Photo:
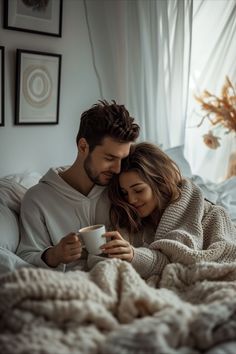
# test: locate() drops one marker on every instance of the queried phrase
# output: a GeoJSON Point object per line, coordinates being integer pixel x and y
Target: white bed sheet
{"type": "Point", "coordinates": [223, 193]}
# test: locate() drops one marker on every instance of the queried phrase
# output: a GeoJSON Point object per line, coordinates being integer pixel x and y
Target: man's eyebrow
{"type": "Point", "coordinates": [113, 156]}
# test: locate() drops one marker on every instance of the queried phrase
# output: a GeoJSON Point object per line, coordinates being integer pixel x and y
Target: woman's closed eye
{"type": "Point", "coordinates": [138, 190]}
{"type": "Point", "coordinates": [125, 194]}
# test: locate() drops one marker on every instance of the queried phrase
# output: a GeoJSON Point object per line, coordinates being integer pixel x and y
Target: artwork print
{"type": "Point", "coordinates": [37, 87]}
{"type": "Point", "coordinates": [34, 16]}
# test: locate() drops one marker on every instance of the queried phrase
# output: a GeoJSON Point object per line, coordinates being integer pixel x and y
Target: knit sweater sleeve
{"type": "Point", "coordinates": [148, 262]}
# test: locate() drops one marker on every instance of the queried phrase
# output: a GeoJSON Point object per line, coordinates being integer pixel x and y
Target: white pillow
{"type": "Point", "coordinates": [11, 194]}
{"type": "Point", "coordinates": [177, 155]}
{"type": "Point", "coordinates": [27, 179]}
{"type": "Point", "coordinates": [9, 229]}
{"type": "Point", "coordinates": [10, 262]}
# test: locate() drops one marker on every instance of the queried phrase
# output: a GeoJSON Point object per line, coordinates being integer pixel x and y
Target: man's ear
{"type": "Point", "coordinates": [83, 146]}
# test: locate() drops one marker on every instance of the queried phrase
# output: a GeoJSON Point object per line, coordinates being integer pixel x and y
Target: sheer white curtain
{"type": "Point", "coordinates": [213, 57]}
{"type": "Point", "coordinates": [147, 57]}
{"type": "Point", "coordinates": [153, 55]}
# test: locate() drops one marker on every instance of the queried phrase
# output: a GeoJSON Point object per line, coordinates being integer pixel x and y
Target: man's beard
{"type": "Point", "coordinates": [94, 177]}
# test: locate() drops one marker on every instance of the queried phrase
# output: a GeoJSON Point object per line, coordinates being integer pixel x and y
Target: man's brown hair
{"type": "Point", "coordinates": [106, 119]}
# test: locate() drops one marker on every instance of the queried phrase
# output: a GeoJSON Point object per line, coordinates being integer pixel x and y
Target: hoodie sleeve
{"type": "Point", "coordinates": [34, 238]}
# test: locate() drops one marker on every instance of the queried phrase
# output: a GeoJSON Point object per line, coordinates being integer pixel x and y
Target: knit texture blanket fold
{"type": "Point", "coordinates": [193, 230]}
{"type": "Point", "coordinates": [112, 310]}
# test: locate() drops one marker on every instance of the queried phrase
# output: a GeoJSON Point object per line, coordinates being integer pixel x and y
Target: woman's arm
{"type": "Point", "coordinates": [146, 261]}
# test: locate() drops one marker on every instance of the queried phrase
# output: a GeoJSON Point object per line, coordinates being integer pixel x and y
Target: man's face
{"type": "Point", "coordinates": [105, 160]}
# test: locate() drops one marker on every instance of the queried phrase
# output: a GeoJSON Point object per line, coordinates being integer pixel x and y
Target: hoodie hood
{"type": "Point", "coordinates": [52, 179]}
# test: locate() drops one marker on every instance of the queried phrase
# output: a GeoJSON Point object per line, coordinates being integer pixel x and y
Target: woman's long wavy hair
{"type": "Point", "coordinates": [156, 169]}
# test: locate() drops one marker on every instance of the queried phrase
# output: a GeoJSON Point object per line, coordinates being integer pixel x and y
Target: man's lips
{"type": "Point", "coordinates": [107, 174]}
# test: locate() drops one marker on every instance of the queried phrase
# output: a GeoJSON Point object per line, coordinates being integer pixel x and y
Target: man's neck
{"type": "Point", "coordinates": [77, 179]}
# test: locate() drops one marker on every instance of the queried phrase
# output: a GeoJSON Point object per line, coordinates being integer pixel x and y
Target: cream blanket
{"type": "Point", "coordinates": [193, 230]}
{"type": "Point", "coordinates": [112, 310]}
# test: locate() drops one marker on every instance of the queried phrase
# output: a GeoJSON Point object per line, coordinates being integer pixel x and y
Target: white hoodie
{"type": "Point", "coordinates": [52, 209]}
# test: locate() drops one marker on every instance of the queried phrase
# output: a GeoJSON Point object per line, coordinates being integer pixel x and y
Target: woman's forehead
{"type": "Point", "coordinates": [129, 178]}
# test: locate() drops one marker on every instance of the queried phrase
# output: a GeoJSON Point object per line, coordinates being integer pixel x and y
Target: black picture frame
{"type": "Point", "coordinates": [2, 86]}
{"type": "Point", "coordinates": [20, 15]}
{"type": "Point", "coordinates": [37, 94]}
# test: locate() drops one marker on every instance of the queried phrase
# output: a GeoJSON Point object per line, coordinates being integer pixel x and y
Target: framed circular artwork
{"type": "Point", "coordinates": [37, 87]}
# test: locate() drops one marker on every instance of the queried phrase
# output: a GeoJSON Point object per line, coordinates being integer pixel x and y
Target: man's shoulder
{"type": "Point", "coordinates": [35, 192]}
{"type": "Point", "coordinates": [43, 185]}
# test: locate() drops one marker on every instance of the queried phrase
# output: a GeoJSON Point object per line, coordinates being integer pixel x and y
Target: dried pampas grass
{"type": "Point", "coordinates": [220, 111]}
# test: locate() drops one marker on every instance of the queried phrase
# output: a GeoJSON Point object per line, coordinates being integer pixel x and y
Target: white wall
{"type": "Point", "coordinates": [36, 148]}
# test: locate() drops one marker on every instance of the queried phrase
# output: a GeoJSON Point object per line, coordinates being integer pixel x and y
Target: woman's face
{"type": "Point", "coordinates": [137, 193]}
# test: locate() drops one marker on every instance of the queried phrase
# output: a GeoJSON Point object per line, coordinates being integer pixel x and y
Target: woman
{"type": "Point", "coordinates": [162, 217]}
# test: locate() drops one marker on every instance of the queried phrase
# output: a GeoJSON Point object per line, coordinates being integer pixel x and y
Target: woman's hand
{"type": "Point", "coordinates": [117, 247]}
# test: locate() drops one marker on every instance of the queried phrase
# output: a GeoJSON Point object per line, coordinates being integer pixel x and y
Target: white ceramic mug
{"type": "Point", "coordinates": [92, 238]}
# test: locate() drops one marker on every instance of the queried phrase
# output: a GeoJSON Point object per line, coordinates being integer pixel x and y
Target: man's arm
{"type": "Point", "coordinates": [34, 237]}
{"type": "Point", "coordinates": [36, 245]}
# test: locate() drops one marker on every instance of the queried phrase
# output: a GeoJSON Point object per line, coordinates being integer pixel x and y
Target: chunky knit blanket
{"type": "Point", "coordinates": [193, 230]}
{"type": "Point", "coordinates": [112, 310]}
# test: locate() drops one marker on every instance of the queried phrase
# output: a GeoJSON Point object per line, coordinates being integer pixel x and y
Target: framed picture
{"type": "Point", "coordinates": [2, 86]}
{"type": "Point", "coordinates": [34, 16]}
{"type": "Point", "coordinates": [37, 87]}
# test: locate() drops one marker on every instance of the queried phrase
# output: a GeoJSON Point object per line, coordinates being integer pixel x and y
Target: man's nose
{"type": "Point", "coordinates": [116, 166]}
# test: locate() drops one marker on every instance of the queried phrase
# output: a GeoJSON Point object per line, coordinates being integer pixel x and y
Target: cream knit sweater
{"type": "Point", "coordinates": [190, 230]}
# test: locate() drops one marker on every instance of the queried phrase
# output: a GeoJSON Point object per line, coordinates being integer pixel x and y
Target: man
{"type": "Point", "coordinates": [67, 199]}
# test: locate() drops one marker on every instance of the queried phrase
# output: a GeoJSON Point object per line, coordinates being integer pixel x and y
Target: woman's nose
{"type": "Point", "coordinates": [132, 199]}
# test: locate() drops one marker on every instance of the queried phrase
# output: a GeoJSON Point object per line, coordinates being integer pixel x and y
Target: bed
{"type": "Point", "coordinates": [189, 310]}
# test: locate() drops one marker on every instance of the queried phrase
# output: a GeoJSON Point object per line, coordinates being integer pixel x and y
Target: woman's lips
{"type": "Point", "coordinates": [139, 206]}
